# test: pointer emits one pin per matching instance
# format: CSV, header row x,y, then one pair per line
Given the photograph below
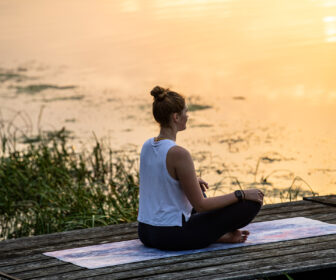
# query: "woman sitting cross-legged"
x,y
173,212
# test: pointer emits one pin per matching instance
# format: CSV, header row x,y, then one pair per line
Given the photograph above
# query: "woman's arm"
x,y
185,171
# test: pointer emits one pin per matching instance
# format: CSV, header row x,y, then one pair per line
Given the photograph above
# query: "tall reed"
x,y
47,187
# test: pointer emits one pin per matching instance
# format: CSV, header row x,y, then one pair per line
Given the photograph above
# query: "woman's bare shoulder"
x,y
179,152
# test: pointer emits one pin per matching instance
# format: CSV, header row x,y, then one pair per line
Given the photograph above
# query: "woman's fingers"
x,y
260,192
254,195
204,185
201,181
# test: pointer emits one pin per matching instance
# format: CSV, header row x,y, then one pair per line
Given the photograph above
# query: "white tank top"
x,y
162,200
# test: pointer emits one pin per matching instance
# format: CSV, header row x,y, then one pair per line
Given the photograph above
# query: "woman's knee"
x,y
253,205
251,210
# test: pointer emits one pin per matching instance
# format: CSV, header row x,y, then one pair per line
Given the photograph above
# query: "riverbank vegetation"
x,y
47,187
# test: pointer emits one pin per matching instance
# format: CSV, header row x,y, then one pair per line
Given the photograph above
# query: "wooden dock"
x,y
22,258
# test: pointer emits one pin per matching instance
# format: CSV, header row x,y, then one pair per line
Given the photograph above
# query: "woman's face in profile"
x,y
183,118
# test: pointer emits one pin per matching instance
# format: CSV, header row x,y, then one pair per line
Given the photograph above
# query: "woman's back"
x,y
162,200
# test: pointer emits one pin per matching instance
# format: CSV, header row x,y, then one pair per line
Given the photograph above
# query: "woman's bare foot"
x,y
237,236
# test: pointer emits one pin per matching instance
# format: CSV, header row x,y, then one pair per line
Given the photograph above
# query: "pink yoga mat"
x,y
123,252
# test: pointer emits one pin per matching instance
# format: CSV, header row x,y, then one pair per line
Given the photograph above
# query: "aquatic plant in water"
x,y
32,89
194,106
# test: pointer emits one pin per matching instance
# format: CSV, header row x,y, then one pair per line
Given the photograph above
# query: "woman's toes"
x,y
236,236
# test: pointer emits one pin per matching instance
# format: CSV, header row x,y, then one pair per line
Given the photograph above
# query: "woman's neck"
x,y
167,133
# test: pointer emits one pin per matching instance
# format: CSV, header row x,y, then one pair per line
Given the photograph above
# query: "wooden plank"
x,y
58,238
243,268
294,208
24,259
55,270
284,204
75,243
321,217
7,276
69,245
28,266
274,270
332,221
284,207
195,260
78,232
327,199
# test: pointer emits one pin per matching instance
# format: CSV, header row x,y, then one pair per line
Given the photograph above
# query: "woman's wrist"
x,y
239,195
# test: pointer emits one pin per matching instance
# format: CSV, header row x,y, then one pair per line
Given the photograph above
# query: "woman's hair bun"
x,y
159,93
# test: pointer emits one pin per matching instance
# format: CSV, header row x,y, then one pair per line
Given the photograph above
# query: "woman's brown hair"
x,y
166,102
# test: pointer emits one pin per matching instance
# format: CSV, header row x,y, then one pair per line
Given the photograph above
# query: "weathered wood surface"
x,y
7,276
22,258
328,199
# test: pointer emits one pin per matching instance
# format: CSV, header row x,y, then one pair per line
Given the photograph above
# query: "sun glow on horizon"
x,y
330,28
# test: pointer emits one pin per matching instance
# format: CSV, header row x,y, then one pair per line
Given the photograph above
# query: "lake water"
x,y
265,68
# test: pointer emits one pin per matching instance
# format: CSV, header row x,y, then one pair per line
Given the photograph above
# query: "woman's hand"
x,y
254,195
204,185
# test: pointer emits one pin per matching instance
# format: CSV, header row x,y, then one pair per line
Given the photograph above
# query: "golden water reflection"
x,y
330,28
266,68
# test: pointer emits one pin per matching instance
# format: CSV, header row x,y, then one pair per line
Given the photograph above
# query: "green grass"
x,y
47,187
288,277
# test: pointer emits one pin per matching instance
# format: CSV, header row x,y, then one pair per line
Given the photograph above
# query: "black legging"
x,y
201,230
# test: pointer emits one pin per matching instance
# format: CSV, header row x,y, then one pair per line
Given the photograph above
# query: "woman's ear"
x,y
175,117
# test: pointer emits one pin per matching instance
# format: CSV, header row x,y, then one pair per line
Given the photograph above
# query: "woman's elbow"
x,y
200,206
